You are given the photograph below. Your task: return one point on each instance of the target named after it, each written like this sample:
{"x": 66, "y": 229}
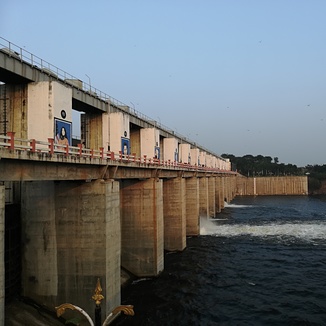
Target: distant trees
{"x": 255, "y": 166}
{"x": 260, "y": 165}
{"x": 317, "y": 176}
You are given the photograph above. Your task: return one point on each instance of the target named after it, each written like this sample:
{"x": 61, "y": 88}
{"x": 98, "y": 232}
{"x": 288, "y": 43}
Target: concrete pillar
{"x": 226, "y": 189}
{"x": 234, "y": 186}
{"x": 120, "y": 132}
{"x": 203, "y": 197}
{"x": 223, "y": 199}
{"x": 184, "y": 153}
{"x": 218, "y": 194}
{"x": 94, "y": 131}
{"x": 13, "y": 109}
{"x": 192, "y": 206}
{"x": 142, "y": 251}
{"x": 174, "y": 210}
{"x": 171, "y": 150}
{"x": 46, "y": 102}
{"x": 231, "y": 187}
{"x": 39, "y": 243}
{"x": 2, "y": 254}
{"x": 71, "y": 237}
{"x": 150, "y": 143}
{"x": 89, "y": 242}
{"x": 211, "y": 197}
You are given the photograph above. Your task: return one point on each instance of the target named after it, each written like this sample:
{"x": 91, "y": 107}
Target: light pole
{"x": 89, "y": 82}
{"x": 133, "y": 106}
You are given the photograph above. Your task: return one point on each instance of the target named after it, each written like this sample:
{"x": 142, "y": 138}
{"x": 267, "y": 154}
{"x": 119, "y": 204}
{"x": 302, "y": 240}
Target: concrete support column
{"x": 229, "y": 188}
{"x": 226, "y": 189}
{"x": 71, "y": 236}
{"x": 233, "y": 186}
{"x": 39, "y": 244}
{"x": 218, "y": 194}
{"x": 2, "y": 255}
{"x": 142, "y": 226}
{"x": 174, "y": 201}
{"x": 203, "y": 197}
{"x": 14, "y": 99}
{"x": 192, "y": 206}
{"x": 89, "y": 242}
{"x": 94, "y": 130}
{"x": 223, "y": 191}
{"x": 211, "y": 197}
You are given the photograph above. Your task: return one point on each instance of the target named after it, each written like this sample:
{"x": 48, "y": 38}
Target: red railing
{"x": 12, "y": 143}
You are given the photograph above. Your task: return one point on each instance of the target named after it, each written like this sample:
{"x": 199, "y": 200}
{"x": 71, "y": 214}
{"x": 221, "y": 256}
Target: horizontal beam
{"x": 29, "y": 170}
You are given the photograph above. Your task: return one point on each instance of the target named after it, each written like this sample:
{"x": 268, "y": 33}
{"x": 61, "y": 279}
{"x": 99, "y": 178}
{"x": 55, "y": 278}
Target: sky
{"x": 235, "y": 76}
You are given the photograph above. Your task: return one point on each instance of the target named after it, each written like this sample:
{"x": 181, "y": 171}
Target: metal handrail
{"x": 25, "y": 56}
{"x": 9, "y": 142}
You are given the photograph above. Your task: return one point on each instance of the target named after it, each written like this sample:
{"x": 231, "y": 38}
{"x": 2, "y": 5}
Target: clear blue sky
{"x": 238, "y": 77}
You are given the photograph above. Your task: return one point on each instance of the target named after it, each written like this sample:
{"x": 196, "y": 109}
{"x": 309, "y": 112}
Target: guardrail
{"x": 11, "y": 143}
{"x": 36, "y": 62}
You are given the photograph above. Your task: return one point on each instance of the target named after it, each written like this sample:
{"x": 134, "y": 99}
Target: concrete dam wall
{"x": 287, "y": 185}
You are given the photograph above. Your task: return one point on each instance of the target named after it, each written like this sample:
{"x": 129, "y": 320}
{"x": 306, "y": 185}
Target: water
{"x": 261, "y": 262}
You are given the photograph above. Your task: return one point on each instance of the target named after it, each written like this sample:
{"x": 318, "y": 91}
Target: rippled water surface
{"x": 262, "y": 261}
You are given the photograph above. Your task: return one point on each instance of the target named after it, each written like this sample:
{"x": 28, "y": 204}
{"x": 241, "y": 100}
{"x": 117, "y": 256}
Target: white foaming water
{"x": 141, "y": 280}
{"x": 304, "y": 231}
{"x": 235, "y": 205}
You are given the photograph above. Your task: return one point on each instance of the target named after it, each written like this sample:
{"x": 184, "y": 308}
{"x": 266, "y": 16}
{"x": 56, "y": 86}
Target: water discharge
{"x": 303, "y": 231}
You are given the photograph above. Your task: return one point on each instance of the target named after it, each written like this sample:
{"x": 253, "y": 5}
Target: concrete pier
{"x": 223, "y": 191}
{"x": 88, "y": 240}
{"x": 174, "y": 194}
{"x": 218, "y": 194}
{"x": 142, "y": 251}
{"x": 192, "y": 206}
{"x": 39, "y": 241}
{"x": 71, "y": 236}
{"x": 203, "y": 197}
{"x": 211, "y": 197}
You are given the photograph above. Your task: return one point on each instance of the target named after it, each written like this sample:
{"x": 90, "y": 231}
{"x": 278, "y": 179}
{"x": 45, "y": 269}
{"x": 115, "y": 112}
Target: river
{"x": 262, "y": 261}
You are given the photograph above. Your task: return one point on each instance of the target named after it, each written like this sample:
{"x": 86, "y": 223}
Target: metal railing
{"x": 36, "y": 62}
{"x": 11, "y": 143}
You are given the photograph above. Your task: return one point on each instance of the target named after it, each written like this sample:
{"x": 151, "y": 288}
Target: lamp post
{"x": 89, "y": 82}
{"x": 97, "y": 297}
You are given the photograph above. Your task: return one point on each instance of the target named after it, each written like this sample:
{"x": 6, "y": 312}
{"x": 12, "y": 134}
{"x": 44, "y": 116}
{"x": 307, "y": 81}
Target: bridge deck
{"x": 22, "y": 160}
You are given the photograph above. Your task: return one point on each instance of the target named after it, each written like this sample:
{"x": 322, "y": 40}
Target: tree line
{"x": 255, "y": 166}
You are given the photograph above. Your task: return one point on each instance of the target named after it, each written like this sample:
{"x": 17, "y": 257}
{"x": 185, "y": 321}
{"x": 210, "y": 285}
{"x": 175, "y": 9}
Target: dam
{"x": 120, "y": 195}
